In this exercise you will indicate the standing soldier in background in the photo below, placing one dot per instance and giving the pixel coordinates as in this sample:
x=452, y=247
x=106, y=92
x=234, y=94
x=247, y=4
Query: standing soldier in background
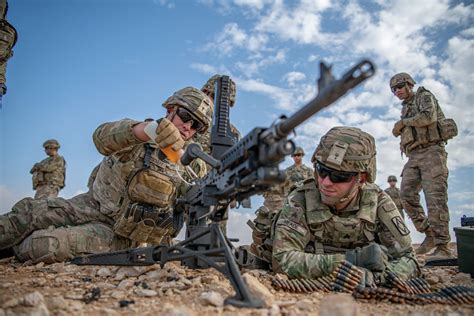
x=394, y=193
x=8, y=38
x=298, y=172
x=424, y=131
x=50, y=173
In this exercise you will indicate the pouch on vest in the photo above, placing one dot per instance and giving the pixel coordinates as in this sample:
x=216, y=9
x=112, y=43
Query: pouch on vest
x=447, y=128
x=406, y=137
x=151, y=187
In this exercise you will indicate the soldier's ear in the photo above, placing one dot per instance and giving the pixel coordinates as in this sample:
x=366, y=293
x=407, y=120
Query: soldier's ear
x=363, y=178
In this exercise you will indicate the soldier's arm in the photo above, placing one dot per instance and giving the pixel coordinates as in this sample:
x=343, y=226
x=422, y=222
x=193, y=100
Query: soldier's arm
x=395, y=235
x=112, y=137
x=290, y=239
x=427, y=112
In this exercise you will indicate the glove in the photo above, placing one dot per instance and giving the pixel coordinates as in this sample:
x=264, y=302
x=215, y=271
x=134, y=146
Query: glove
x=167, y=134
x=371, y=257
x=397, y=128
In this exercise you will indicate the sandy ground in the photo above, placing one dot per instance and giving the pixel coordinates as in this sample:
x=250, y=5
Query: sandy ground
x=64, y=289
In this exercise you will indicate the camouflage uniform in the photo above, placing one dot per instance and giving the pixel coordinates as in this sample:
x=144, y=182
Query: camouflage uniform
x=8, y=38
x=49, y=174
x=131, y=199
x=423, y=141
x=311, y=238
x=295, y=175
x=394, y=193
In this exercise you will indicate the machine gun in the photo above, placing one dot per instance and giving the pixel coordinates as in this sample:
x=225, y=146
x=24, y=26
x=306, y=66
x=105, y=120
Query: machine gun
x=240, y=169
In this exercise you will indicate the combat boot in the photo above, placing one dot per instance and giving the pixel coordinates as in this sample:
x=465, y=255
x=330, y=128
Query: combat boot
x=427, y=244
x=441, y=252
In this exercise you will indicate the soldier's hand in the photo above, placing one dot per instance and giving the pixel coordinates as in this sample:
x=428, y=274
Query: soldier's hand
x=397, y=128
x=167, y=134
x=371, y=257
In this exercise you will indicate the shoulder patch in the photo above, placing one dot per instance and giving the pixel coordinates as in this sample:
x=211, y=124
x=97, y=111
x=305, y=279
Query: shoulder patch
x=400, y=225
x=294, y=226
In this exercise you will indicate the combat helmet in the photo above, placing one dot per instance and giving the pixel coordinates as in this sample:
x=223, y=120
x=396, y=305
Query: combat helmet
x=401, y=77
x=209, y=87
x=51, y=143
x=196, y=102
x=347, y=149
x=391, y=178
x=298, y=150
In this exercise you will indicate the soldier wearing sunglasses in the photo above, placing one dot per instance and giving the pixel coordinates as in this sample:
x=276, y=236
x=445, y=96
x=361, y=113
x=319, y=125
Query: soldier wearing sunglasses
x=422, y=140
x=342, y=215
x=132, y=192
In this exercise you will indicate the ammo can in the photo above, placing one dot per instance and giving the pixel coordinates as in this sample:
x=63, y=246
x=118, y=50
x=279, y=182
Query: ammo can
x=465, y=245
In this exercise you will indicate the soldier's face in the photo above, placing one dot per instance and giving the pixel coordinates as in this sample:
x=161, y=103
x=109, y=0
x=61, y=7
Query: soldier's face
x=51, y=151
x=392, y=183
x=335, y=190
x=402, y=91
x=297, y=158
x=185, y=128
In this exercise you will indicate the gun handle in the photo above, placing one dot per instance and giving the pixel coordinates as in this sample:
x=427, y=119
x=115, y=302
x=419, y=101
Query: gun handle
x=171, y=154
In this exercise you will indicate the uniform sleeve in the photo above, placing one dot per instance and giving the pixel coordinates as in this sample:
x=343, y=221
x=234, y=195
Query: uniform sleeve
x=290, y=239
x=395, y=235
x=112, y=137
x=426, y=114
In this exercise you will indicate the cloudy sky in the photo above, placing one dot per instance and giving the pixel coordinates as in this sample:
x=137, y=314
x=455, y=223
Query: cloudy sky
x=80, y=63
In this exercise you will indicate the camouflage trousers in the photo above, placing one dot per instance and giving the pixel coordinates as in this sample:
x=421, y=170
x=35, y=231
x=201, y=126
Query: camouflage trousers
x=427, y=170
x=55, y=229
x=45, y=191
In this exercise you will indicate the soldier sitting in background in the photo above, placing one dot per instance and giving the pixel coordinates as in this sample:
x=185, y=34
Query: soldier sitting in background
x=131, y=198
x=49, y=174
x=394, y=193
x=342, y=215
x=298, y=172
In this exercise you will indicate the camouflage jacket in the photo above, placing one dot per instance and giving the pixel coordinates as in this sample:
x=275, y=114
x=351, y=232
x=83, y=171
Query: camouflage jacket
x=394, y=193
x=132, y=171
x=420, y=115
x=296, y=175
x=310, y=239
x=49, y=171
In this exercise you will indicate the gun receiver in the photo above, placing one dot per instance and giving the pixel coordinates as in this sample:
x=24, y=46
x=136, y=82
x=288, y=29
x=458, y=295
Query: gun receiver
x=240, y=169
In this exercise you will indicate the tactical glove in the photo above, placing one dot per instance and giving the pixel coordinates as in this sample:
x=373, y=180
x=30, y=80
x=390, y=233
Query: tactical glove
x=397, y=128
x=371, y=257
x=167, y=134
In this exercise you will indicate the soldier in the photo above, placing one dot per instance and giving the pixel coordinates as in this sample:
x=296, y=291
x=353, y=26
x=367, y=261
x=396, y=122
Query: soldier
x=132, y=194
x=8, y=38
x=49, y=174
x=298, y=172
x=394, y=193
x=342, y=215
x=423, y=136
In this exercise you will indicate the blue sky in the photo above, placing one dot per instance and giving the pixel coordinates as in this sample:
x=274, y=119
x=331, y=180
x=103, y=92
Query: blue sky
x=80, y=63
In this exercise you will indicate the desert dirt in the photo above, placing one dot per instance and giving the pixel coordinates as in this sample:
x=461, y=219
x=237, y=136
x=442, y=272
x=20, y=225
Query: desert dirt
x=67, y=289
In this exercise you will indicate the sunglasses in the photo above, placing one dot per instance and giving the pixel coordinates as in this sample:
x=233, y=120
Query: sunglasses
x=297, y=155
x=186, y=117
x=398, y=86
x=392, y=181
x=335, y=176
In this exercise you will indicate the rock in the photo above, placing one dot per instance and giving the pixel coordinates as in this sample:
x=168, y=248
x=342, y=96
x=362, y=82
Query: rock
x=338, y=305
x=105, y=311
x=210, y=279
x=212, y=298
x=11, y=303
x=156, y=275
x=275, y=310
x=118, y=295
x=145, y=293
x=432, y=279
x=125, y=272
x=39, y=265
x=258, y=290
x=305, y=305
x=56, y=303
x=125, y=284
x=462, y=279
x=104, y=272
x=104, y=285
x=33, y=299
x=179, y=311
x=2, y=312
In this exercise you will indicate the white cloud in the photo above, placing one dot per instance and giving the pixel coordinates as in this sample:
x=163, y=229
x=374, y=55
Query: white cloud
x=294, y=77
